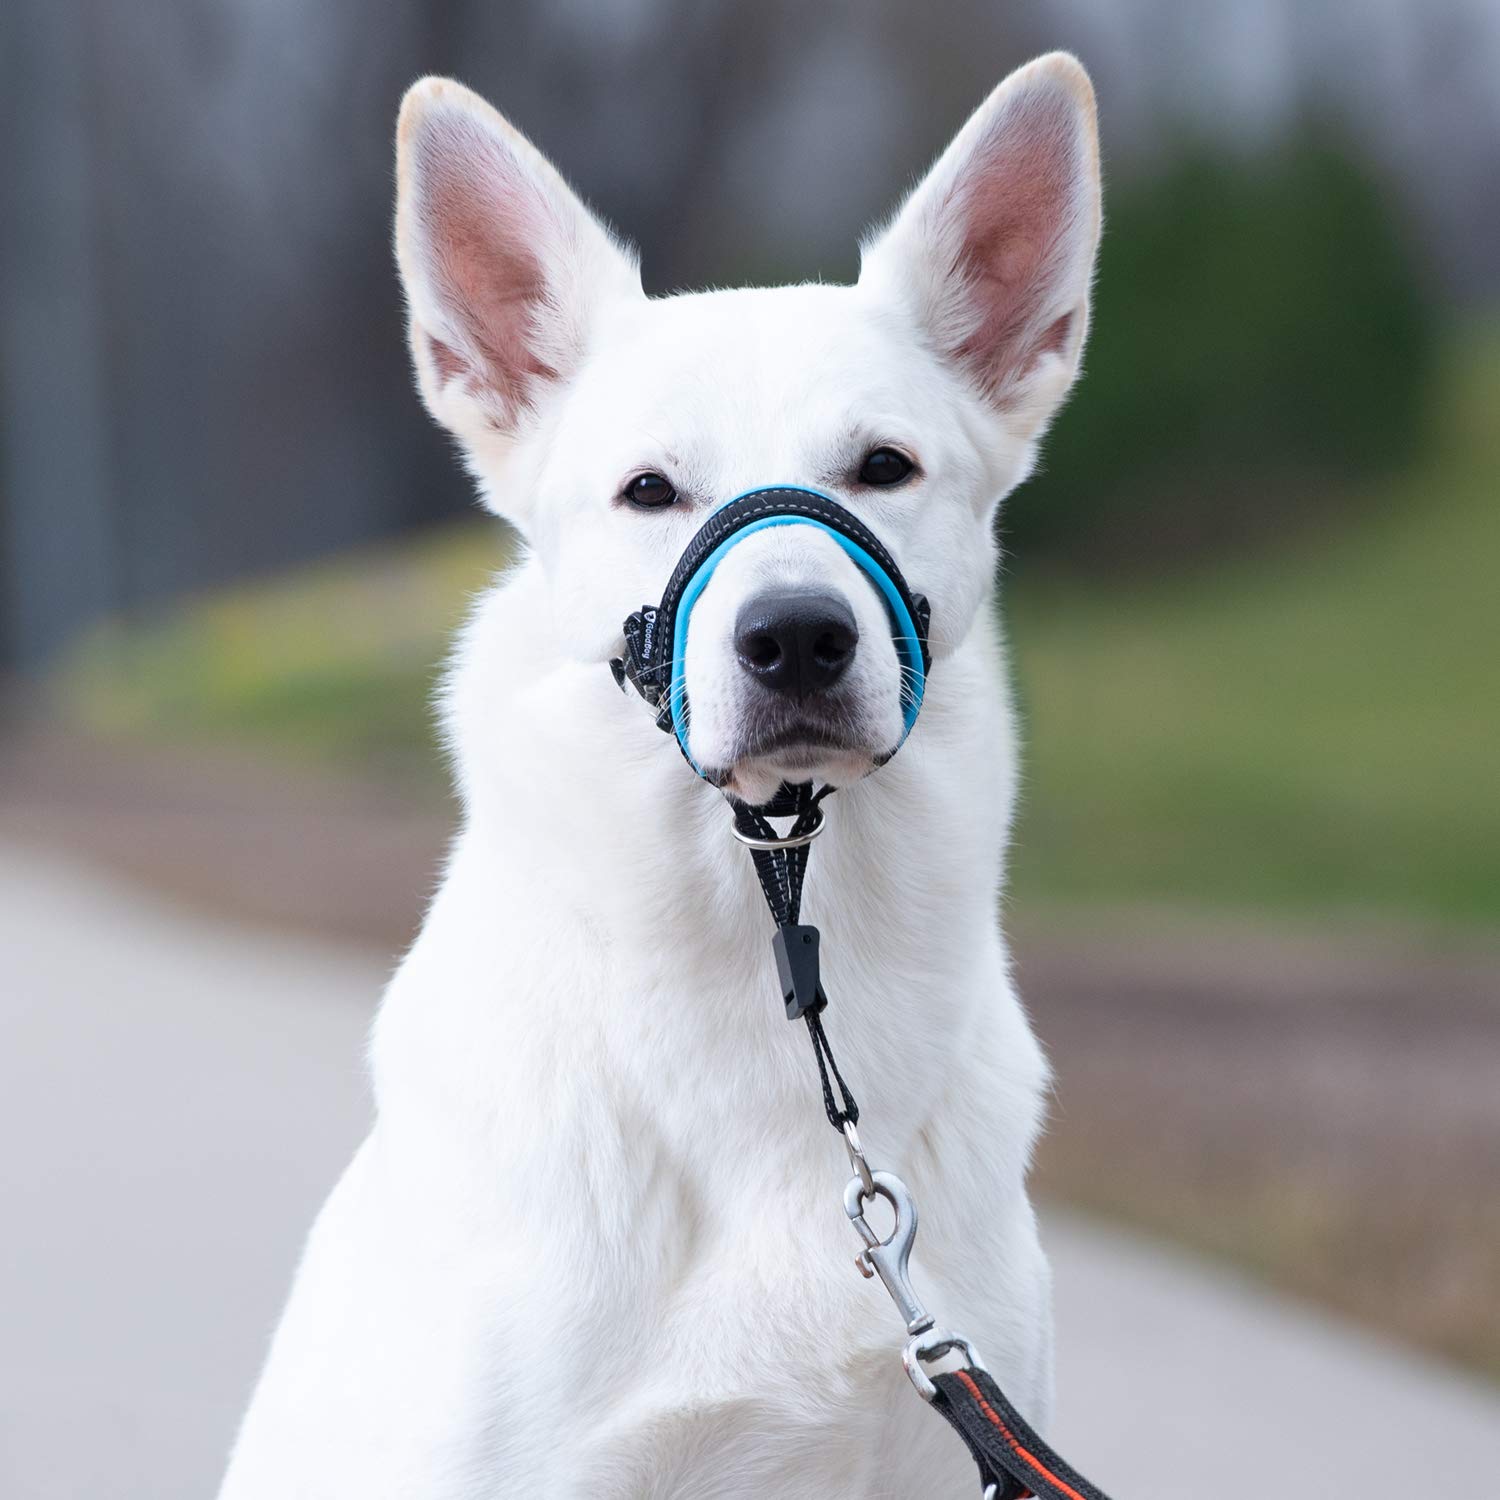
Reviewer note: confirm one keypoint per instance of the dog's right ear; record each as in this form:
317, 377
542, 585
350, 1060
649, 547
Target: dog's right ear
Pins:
994, 249
504, 268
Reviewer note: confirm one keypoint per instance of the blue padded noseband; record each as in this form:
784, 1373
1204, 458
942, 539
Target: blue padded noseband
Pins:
656, 635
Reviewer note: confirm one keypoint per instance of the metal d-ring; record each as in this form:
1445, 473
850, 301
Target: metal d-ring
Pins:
780, 841
933, 1343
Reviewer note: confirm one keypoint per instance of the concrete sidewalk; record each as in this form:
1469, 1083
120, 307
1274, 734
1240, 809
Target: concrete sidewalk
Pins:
177, 1094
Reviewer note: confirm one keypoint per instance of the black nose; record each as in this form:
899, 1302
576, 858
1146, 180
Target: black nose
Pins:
796, 643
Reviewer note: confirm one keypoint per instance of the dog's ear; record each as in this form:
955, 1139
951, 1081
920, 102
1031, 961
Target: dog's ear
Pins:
504, 268
994, 249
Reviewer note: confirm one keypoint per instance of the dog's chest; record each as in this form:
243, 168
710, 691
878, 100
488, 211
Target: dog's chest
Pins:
663, 1287
762, 1372
729, 1350
818, 1433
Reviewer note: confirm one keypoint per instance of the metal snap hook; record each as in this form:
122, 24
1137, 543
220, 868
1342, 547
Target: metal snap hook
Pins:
888, 1258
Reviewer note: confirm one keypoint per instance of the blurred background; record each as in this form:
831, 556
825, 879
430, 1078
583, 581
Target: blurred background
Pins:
1256, 888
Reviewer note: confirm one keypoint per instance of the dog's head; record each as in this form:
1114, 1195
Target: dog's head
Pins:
607, 425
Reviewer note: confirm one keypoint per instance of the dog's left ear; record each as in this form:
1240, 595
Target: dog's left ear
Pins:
994, 249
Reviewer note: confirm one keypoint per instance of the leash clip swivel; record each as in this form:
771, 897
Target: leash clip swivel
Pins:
889, 1260
933, 1344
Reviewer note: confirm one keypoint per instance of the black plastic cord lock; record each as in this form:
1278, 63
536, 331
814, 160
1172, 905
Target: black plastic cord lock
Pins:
796, 950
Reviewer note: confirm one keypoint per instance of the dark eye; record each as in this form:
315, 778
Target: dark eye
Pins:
884, 467
650, 492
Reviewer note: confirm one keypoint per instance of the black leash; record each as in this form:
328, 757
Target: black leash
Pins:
1013, 1460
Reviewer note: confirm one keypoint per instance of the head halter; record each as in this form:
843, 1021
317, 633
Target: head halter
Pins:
656, 635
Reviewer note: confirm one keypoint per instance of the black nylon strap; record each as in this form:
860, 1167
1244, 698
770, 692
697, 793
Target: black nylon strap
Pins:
649, 631
844, 1111
781, 873
1010, 1454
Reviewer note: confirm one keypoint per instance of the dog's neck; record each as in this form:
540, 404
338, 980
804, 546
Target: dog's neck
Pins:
582, 814
554, 755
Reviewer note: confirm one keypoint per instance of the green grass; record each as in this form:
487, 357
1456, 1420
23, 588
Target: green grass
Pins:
1313, 733
335, 663
1309, 734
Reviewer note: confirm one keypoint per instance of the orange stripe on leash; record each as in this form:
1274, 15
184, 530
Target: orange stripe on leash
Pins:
1010, 1437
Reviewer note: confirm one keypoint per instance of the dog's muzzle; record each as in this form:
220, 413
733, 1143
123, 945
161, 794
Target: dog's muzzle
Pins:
656, 634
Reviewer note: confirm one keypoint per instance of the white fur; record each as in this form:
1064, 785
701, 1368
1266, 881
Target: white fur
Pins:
594, 1244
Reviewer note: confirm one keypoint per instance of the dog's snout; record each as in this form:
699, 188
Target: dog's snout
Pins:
796, 643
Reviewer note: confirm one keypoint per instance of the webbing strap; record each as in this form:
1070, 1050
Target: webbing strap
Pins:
781, 873
1008, 1450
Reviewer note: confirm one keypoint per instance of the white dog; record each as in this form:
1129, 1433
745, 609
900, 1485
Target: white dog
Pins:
594, 1245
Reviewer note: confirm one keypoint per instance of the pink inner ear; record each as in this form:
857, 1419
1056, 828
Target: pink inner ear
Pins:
448, 364
483, 222
1017, 203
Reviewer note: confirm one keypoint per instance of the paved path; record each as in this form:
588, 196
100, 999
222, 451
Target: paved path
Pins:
176, 1095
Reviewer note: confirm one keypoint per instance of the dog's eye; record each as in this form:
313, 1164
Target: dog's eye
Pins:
884, 467
650, 492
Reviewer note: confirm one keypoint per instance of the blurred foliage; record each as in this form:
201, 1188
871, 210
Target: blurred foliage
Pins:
332, 663
1261, 338
1308, 733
